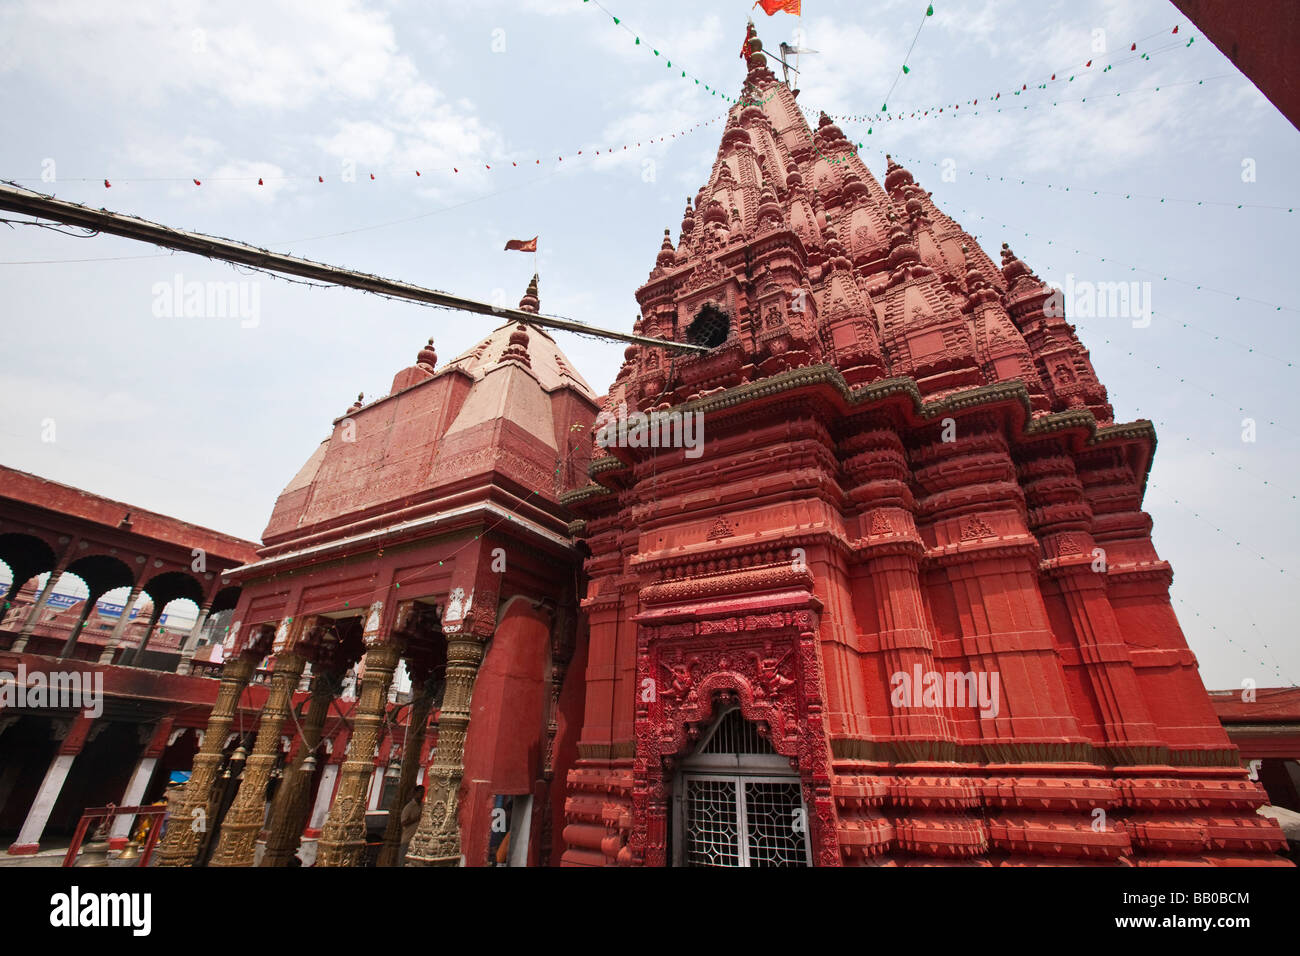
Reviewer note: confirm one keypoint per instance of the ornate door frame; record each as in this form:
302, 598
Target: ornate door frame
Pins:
689, 672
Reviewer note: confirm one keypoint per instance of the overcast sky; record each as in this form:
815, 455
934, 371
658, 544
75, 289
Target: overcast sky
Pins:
207, 418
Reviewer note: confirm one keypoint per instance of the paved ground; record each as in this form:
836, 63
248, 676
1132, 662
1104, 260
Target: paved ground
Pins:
50, 854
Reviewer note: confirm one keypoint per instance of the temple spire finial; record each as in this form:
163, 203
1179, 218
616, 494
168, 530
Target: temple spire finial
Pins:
530, 302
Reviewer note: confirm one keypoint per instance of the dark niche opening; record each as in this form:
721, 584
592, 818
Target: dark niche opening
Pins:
710, 327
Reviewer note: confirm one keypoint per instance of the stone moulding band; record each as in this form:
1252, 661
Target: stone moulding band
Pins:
922, 412
388, 535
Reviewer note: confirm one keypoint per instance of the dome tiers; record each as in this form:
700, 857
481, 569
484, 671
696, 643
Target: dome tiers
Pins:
791, 214
499, 414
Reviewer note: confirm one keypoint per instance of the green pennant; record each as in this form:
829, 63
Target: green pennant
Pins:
906, 69
929, 11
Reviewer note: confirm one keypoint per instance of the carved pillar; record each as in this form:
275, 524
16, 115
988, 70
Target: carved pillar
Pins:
244, 818
422, 687
437, 841
184, 837
293, 799
343, 840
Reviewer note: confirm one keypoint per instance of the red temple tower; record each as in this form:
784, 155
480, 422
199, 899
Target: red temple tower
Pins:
901, 605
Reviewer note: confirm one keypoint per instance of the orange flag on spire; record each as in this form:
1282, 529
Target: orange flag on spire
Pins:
522, 245
750, 34
771, 7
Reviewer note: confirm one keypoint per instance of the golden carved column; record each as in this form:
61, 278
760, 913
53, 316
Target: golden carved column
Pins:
244, 819
437, 841
184, 837
422, 687
343, 839
292, 801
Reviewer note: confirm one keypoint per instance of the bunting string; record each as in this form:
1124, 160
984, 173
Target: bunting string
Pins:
904, 69
656, 51
1241, 647
955, 114
1061, 77
1059, 187
373, 175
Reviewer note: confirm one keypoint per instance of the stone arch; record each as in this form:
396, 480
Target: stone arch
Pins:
100, 574
26, 555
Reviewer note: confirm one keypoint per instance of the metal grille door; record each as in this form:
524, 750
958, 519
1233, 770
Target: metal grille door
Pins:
712, 836
744, 821
776, 828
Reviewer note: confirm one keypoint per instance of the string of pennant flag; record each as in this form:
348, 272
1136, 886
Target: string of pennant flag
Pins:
658, 53
392, 171
1061, 78
1015, 180
1095, 98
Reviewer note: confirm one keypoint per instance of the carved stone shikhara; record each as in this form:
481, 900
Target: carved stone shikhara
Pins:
910, 467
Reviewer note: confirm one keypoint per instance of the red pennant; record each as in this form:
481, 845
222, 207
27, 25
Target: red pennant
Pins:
485, 164
372, 175
417, 172
320, 179
1133, 46
107, 184
197, 183
998, 97
1023, 87
1175, 29
1089, 63
1053, 76
454, 169
259, 181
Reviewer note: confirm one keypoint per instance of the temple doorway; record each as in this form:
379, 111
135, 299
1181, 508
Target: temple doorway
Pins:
736, 802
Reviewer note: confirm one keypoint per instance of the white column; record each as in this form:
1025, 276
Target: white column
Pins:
20, 644
134, 794
29, 837
324, 796
376, 787
107, 656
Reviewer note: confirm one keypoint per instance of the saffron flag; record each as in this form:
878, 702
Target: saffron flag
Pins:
522, 245
750, 34
771, 7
